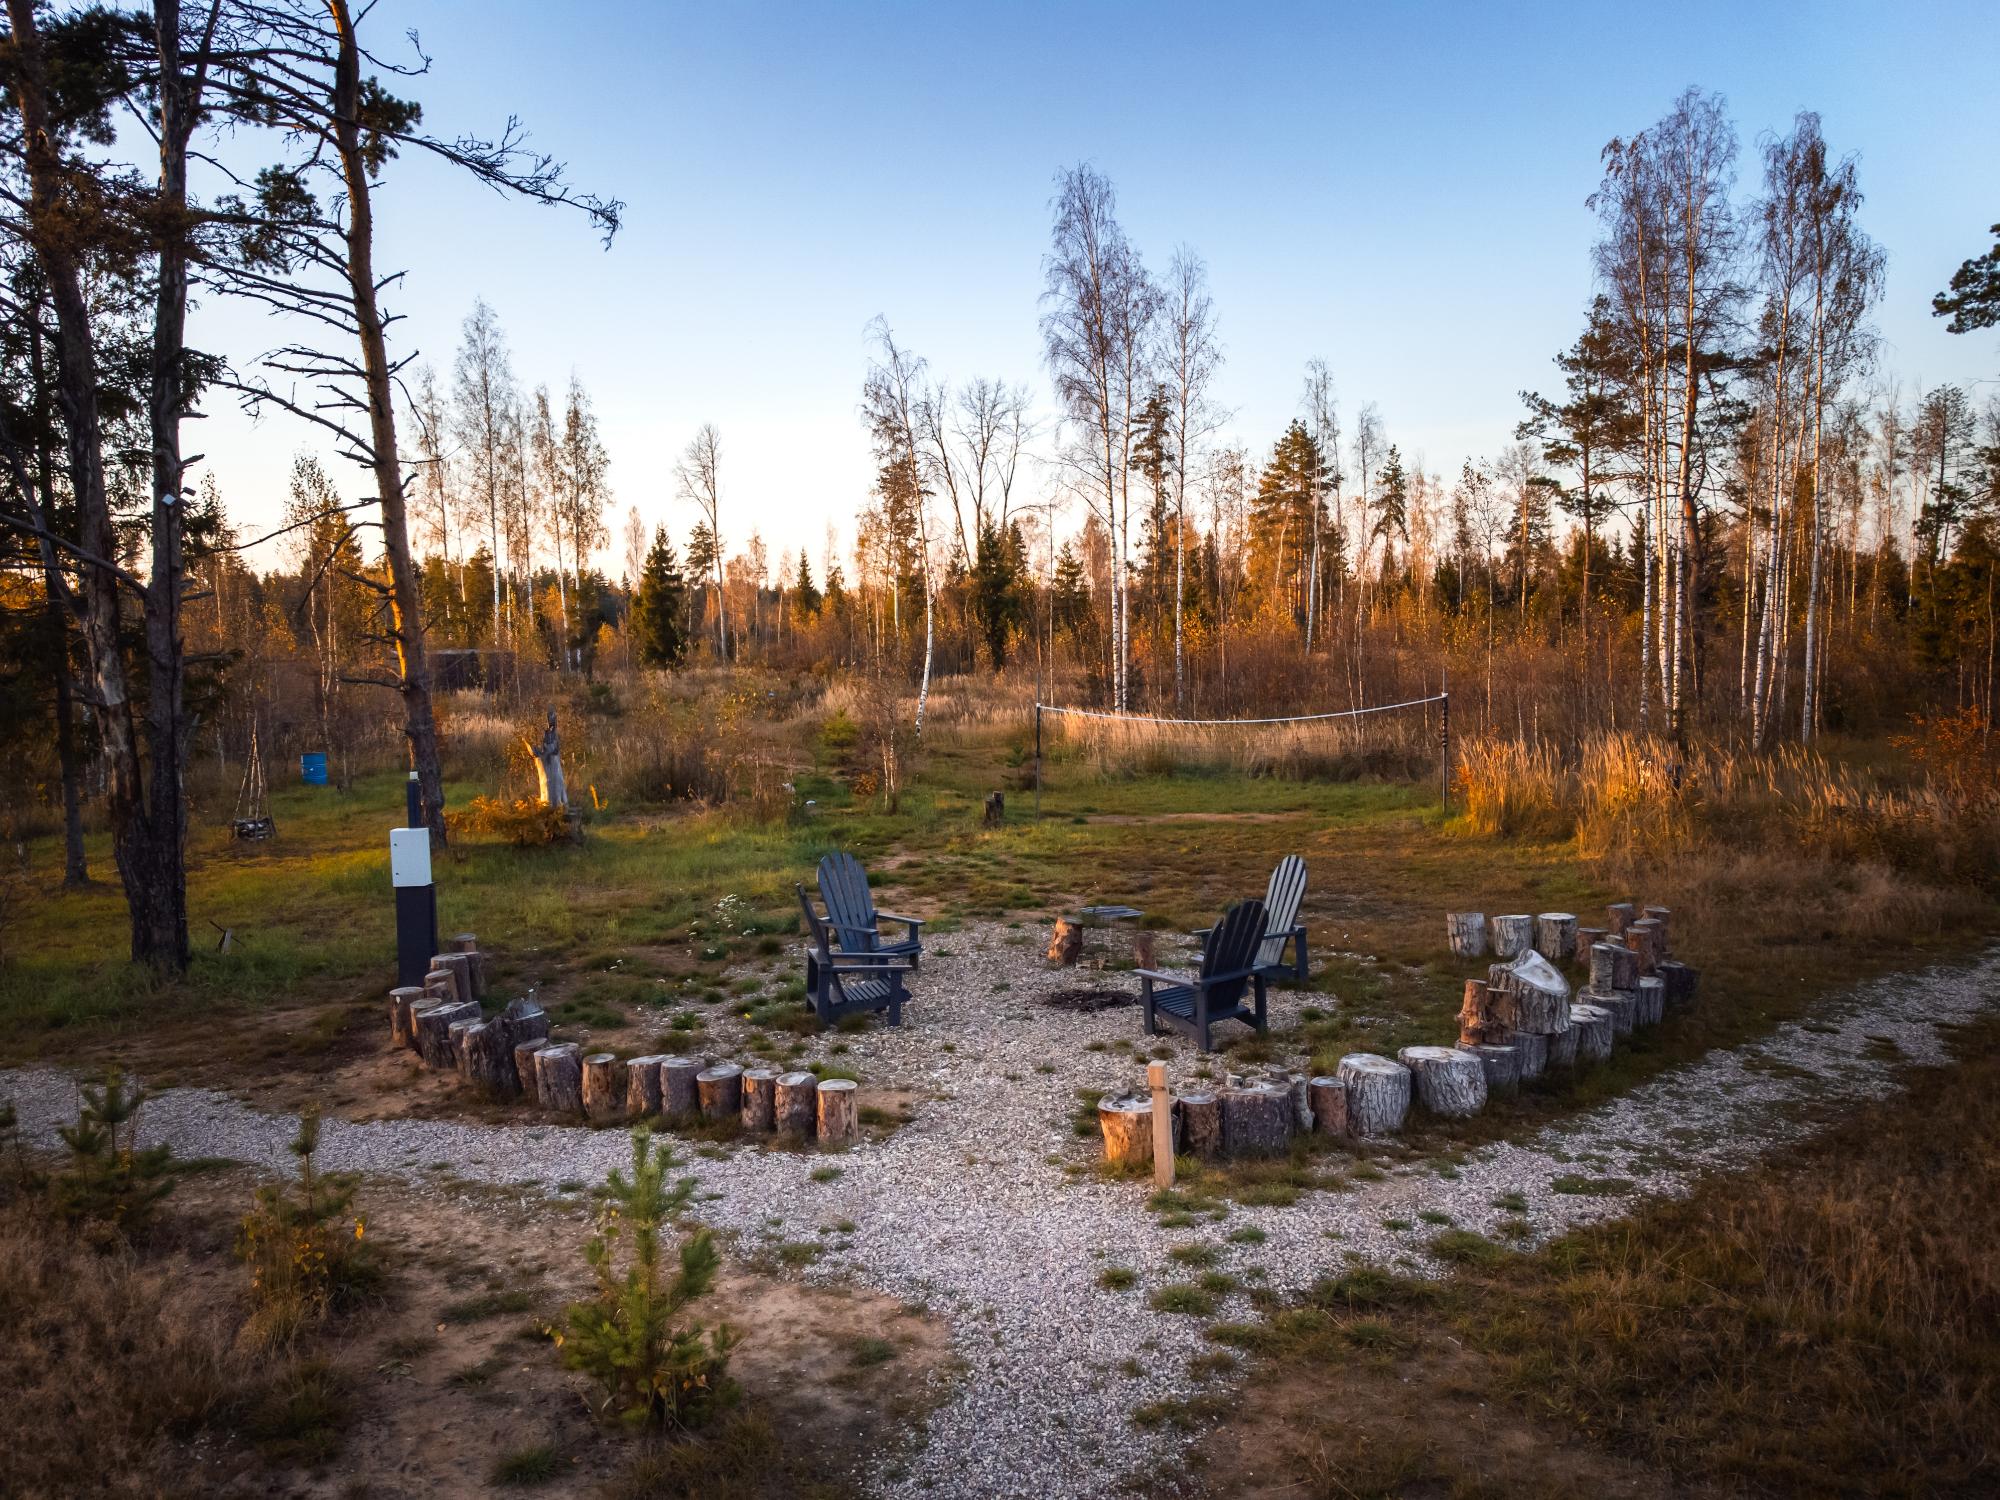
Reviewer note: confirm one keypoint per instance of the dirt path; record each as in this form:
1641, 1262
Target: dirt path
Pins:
968, 1212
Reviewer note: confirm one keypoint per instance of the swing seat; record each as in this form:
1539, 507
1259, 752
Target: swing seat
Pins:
255, 828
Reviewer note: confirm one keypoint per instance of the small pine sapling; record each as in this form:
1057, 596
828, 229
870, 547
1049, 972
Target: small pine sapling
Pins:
653, 1373
307, 1251
110, 1187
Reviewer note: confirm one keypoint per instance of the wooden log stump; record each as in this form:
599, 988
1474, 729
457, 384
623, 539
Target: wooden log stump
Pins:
524, 1065
488, 1059
1620, 916
1256, 1120
720, 1091
1613, 966
1512, 936
642, 1087
1127, 1123
1535, 1050
460, 969
1586, 939
1592, 1024
1664, 915
1448, 1083
1501, 1062
1621, 1005
679, 1098
1533, 996
459, 1064
795, 1104
1201, 1125
1465, 931
475, 961
1476, 1019
838, 1117
1649, 1001
1329, 1105
433, 1026
559, 1078
1643, 938
1298, 1087
1378, 1094
441, 984
1560, 1049
526, 1020
603, 1088
1555, 936
1682, 982
403, 1003
760, 1100
1065, 942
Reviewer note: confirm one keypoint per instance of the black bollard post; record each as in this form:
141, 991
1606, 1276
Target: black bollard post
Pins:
416, 895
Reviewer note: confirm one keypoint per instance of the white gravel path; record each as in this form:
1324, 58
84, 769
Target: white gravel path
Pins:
968, 1211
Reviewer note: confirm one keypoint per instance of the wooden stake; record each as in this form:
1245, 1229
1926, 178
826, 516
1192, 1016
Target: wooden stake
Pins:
1163, 1126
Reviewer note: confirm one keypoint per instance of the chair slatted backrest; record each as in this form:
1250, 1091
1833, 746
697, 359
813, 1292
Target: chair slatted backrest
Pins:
1281, 907
843, 886
815, 926
1231, 949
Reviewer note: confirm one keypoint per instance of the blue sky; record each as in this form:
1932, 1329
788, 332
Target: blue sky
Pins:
1398, 190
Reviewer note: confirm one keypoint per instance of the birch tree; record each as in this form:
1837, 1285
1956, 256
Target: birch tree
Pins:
698, 479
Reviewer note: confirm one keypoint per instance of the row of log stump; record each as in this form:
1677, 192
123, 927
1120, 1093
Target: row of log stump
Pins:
512, 1054
1515, 1025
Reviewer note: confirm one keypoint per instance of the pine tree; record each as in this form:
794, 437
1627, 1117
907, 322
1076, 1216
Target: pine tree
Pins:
806, 599
653, 1373
1393, 517
110, 1186
659, 612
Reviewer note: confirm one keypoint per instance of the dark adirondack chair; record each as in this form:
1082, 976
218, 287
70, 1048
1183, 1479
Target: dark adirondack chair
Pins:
840, 983
1228, 969
1282, 927
850, 912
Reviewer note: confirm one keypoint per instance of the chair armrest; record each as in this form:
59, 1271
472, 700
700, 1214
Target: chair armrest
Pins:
889, 916
1159, 977
1210, 981
1202, 933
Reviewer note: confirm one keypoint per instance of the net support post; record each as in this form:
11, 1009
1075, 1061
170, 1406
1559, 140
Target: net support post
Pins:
1444, 752
1038, 762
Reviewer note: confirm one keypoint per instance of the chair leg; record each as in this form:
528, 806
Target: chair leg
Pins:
1258, 984
1146, 996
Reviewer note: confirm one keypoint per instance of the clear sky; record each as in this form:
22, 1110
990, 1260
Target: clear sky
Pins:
1397, 189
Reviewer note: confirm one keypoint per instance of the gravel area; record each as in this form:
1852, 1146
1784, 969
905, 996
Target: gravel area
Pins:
968, 1211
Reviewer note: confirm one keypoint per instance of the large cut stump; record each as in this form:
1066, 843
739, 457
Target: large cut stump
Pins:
1065, 942
1613, 966
1531, 995
1621, 1005
1555, 936
1449, 1083
433, 1027
603, 1087
488, 1061
1378, 1093
760, 1099
1620, 916
720, 1090
679, 1098
559, 1078
1256, 1120
1466, 932
1681, 981
1592, 1024
1501, 1062
1127, 1123
642, 1087
1201, 1125
1649, 1002
838, 1117
1329, 1105
1536, 1051
402, 1005
1512, 936
795, 1105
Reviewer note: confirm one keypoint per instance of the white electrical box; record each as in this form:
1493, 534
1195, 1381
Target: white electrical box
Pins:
409, 856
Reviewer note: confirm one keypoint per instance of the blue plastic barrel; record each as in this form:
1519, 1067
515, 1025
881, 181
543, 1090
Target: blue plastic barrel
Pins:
312, 768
